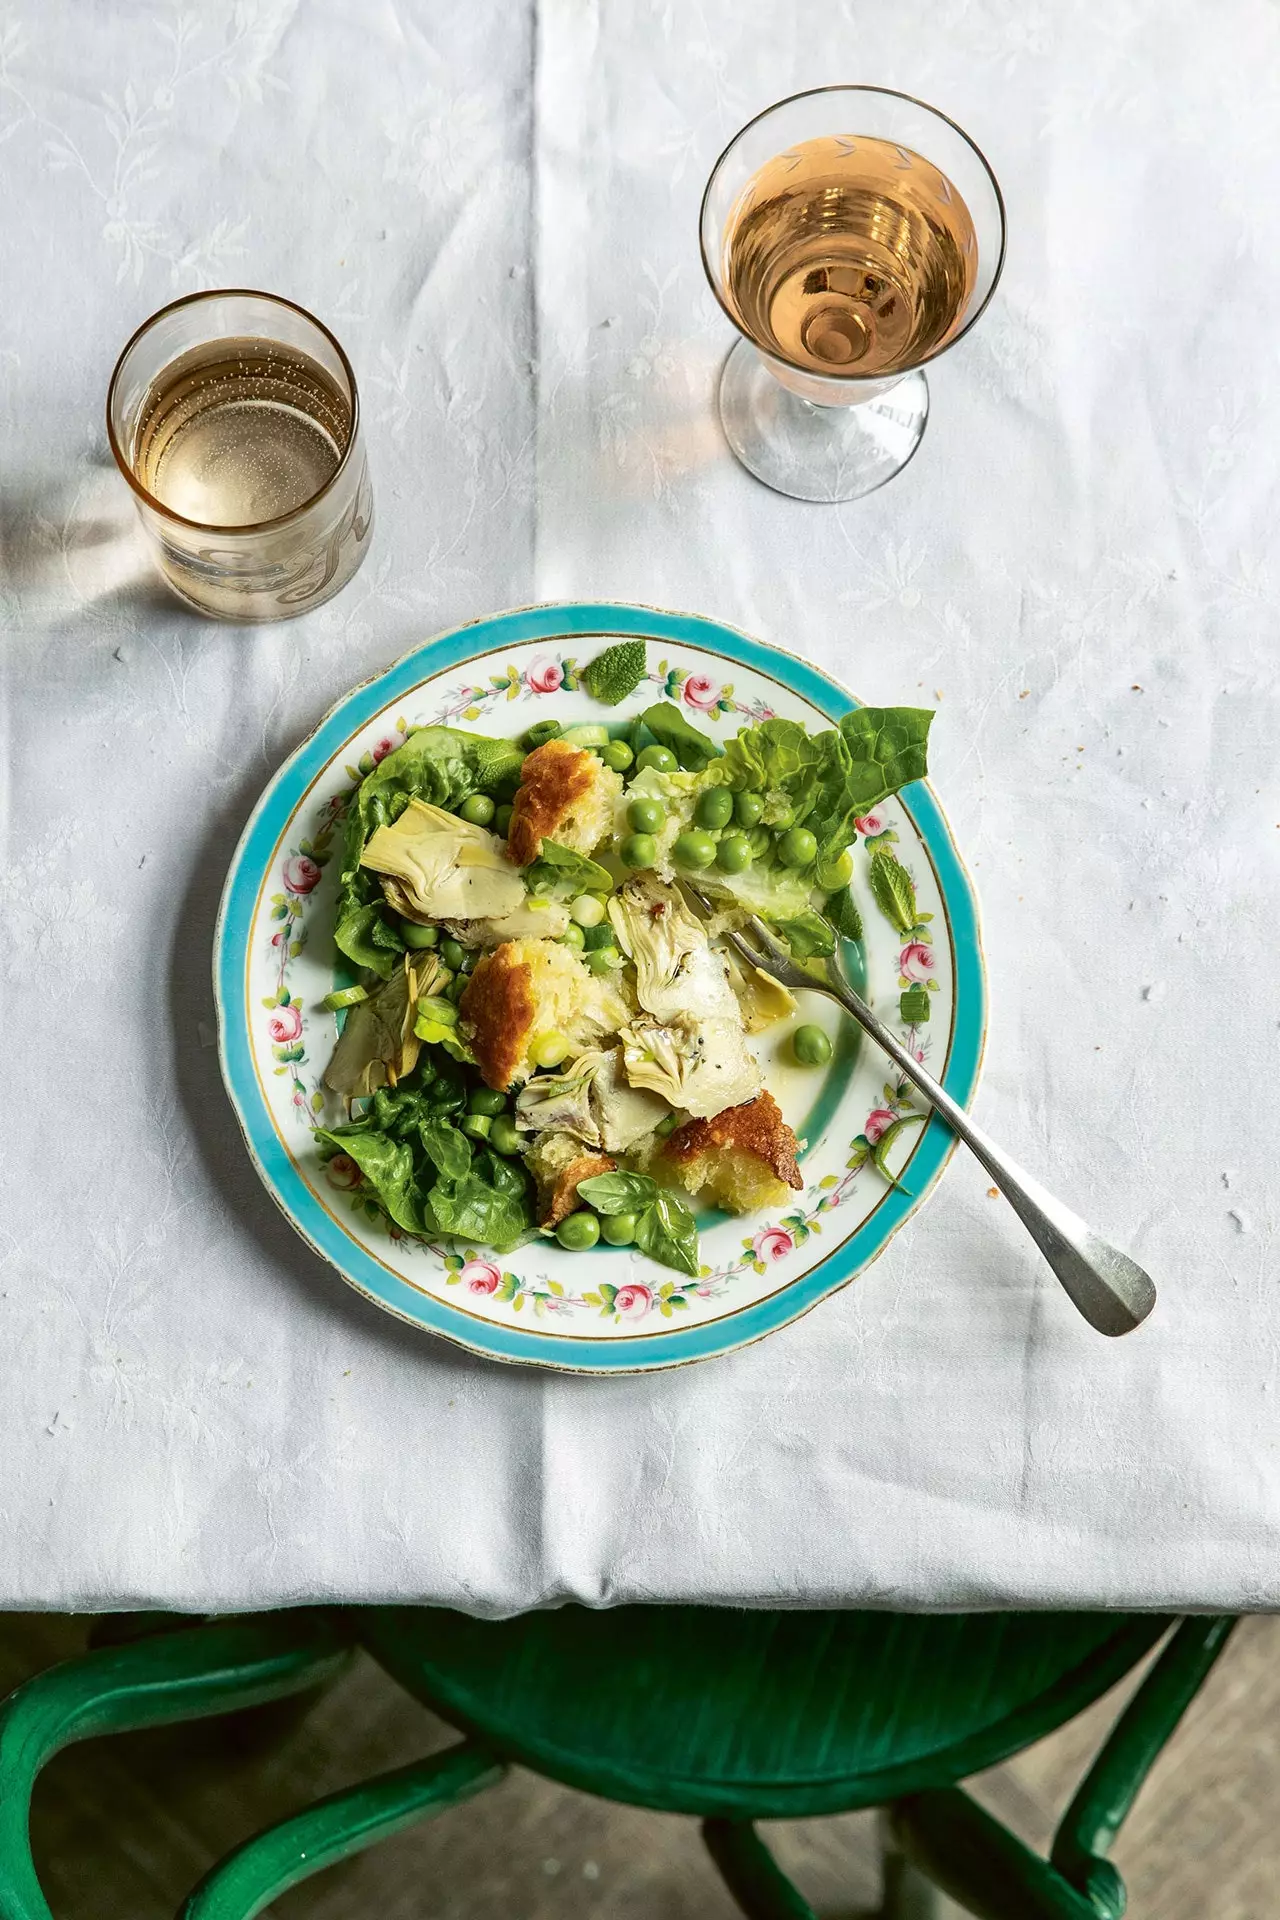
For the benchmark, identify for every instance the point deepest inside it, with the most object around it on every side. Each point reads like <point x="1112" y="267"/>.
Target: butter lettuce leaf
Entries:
<point x="440" y="764"/>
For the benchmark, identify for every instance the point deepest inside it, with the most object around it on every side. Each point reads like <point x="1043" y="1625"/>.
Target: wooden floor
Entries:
<point x="122" y="1828"/>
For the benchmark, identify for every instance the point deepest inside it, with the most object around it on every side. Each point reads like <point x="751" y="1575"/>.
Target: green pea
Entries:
<point x="694" y="849"/>
<point x="734" y="853"/>
<point x="617" y="755"/>
<point x="714" y="808"/>
<point x="578" y="1231"/>
<point x="475" y="1125"/>
<point x="760" y="841"/>
<point x="811" y="1046"/>
<point x="797" y="847"/>
<point x="502" y="820"/>
<point x="597" y="936"/>
<point x="831" y="875"/>
<point x="587" y="910"/>
<point x="604" y="960"/>
<point x="416" y="937"/>
<point x="486" y="1100"/>
<point x="539" y="735"/>
<point x="639" y="850"/>
<point x="619" y="1229"/>
<point x="646" y="816"/>
<point x="477" y="810"/>
<point x="504" y="1136"/>
<point x="786" y="818"/>
<point x="572" y="937"/>
<point x="747" y="809"/>
<point x="661" y="759"/>
<point x="452" y="953"/>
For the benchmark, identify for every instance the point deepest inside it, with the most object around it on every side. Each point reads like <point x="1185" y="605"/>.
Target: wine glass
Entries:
<point x="852" y="235"/>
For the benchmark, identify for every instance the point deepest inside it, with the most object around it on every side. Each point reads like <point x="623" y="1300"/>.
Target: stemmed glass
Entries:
<point x="852" y="235"/>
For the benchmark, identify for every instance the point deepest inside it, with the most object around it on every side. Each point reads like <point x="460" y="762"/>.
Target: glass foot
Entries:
<point x="818" y="453"/>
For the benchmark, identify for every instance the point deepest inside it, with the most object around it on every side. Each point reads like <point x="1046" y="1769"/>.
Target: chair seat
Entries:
<point x="758" y="1715"/>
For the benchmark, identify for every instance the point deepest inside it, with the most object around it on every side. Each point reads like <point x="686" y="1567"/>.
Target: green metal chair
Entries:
<point x="732" y="1717"/>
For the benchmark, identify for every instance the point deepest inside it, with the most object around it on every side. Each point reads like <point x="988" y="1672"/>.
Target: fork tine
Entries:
<point x="768" y="954"/>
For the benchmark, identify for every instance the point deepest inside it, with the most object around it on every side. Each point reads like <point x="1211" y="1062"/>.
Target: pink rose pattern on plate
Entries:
<point x="300" y="874"/>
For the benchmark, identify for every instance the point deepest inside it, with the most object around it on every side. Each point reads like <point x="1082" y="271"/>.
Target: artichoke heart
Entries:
<point x="378" y="1046"/>
<point x="561" y="1102"/>
<point x="703" y="1066"/>
<point x="435" y="866"/>
<point x="676" y="968"/>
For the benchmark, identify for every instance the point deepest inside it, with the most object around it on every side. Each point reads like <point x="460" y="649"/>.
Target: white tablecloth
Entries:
<point x="496" y="208"/>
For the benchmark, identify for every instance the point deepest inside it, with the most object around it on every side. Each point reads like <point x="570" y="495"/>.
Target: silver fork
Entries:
<point x="1110" y="1290"/>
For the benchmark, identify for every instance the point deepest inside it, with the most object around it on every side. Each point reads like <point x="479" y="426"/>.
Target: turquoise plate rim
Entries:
<point x="325" y="1235"/>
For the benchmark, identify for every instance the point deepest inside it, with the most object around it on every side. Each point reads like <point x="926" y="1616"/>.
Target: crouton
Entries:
<point x="565" y="794"/>
<point x="559" y="1163"/>
<point x="525" y="988"/>
<point x="743" y="1159"/>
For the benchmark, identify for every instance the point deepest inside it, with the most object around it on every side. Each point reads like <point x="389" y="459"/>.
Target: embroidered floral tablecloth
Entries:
<point x="496" y="207"/>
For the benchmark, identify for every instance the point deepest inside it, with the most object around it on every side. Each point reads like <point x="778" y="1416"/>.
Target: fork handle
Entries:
<point x="1110" y="1290"/>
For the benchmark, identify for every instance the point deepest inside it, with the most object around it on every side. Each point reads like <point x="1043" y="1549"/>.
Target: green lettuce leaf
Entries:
<point x="692" y="749"/>
<point x="827" y="780"/>
<point x="558" y="866"/>
<point x="808" y="935"/>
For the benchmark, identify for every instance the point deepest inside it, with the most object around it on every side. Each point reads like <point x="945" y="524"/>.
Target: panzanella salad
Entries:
<point x="543" y="1035"/>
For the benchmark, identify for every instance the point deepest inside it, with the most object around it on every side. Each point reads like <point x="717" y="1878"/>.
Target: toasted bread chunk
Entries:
<point x="743" y="1159"/>
<point x="567" y="795"/>
<point x="559" y="1163"/>
<point x="529" y="987"/>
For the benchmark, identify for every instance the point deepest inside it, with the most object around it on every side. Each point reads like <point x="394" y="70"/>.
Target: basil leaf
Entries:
<point x="558" y="866"/>
<point x="692" y="749"/>
<point x="668" y="1233"/>
<point x="471" y="1209"/>
<point x="448" y="1150"/>
<point x="388" y="1169"/>
<point x="841" y="910"/>
<point x="618" y="1192"/>
<point x="893" y="890"/>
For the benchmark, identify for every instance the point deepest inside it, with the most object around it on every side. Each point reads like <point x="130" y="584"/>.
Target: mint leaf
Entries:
<point x="692" y="749"/>
<point x="618" y="1192"/>
<point x="616" y="672"/>
<point x="841" y="910"/>
<point x="668" y="1233"/>
<point x="893" y="890"/>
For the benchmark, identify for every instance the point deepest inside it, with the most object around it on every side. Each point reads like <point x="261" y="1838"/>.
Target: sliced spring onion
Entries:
<point x="344" y="997"/>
